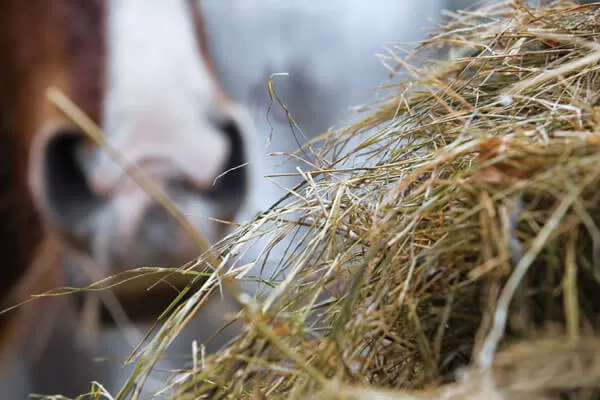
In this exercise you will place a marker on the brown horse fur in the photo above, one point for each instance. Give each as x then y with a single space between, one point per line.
28 65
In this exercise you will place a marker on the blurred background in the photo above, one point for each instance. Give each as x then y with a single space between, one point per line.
328 50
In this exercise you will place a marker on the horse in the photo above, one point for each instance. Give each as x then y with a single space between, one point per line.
141 71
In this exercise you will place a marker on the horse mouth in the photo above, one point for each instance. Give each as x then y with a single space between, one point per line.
144 276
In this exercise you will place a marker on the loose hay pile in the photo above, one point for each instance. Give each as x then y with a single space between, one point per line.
461 260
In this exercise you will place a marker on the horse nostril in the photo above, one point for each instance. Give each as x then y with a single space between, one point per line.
68 197
232 183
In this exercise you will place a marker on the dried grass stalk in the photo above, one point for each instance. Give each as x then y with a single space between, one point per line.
448 244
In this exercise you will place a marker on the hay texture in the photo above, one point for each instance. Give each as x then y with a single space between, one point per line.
447 245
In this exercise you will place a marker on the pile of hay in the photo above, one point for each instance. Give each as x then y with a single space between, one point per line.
445 246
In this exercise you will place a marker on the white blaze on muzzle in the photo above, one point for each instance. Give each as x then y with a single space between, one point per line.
160 106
